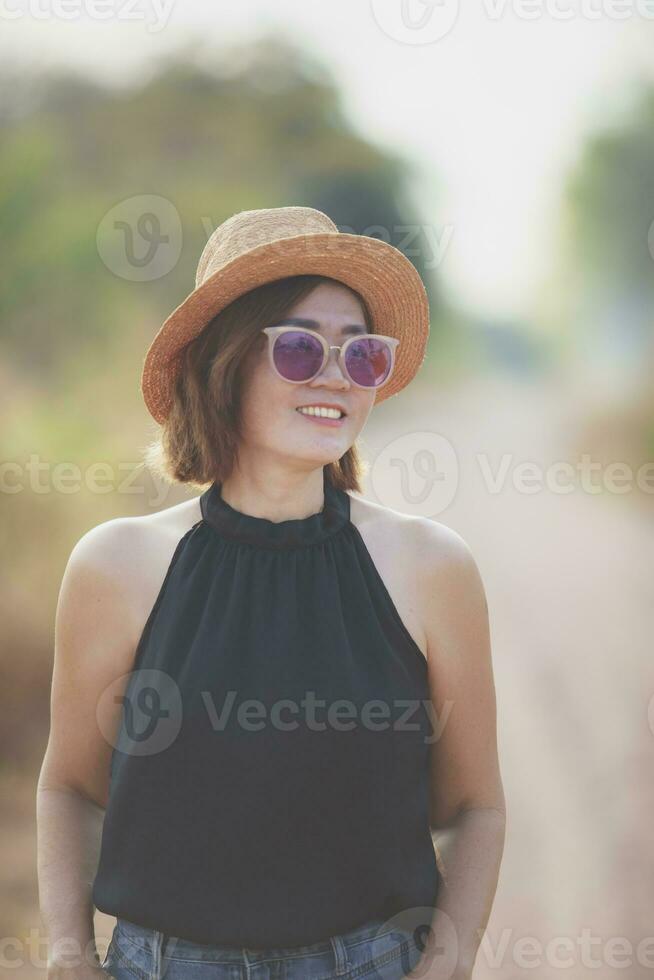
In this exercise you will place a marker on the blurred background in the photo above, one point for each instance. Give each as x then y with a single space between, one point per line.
508 150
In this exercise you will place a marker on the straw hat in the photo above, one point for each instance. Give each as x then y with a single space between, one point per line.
256 247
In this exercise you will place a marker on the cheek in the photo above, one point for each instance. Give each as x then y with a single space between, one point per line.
362 406
265 398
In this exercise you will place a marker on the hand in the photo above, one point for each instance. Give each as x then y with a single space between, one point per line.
83 971
432 967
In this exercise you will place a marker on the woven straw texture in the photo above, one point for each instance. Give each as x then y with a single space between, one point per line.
252 248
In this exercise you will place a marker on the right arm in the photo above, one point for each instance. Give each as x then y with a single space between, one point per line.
95 635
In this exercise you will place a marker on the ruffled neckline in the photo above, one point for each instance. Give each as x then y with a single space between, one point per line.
237 526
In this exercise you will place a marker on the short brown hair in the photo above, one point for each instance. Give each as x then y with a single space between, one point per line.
198 442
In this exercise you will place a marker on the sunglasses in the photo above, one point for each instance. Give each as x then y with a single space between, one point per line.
298 355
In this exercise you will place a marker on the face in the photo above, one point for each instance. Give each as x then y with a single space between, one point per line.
272 423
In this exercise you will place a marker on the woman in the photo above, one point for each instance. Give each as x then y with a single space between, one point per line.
234 683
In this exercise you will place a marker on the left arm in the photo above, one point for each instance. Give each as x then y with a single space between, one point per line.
467 800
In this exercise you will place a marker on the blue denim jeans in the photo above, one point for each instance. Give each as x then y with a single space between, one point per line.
370 951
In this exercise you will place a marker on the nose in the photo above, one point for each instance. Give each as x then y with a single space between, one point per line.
331 375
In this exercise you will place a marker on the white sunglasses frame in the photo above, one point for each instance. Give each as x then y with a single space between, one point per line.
273 332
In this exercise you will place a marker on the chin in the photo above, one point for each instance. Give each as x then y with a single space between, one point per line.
315 455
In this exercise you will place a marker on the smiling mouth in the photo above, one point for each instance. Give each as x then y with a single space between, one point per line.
321 412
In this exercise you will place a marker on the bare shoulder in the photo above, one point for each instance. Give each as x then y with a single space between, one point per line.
122 546
449 573
110 583
428 568
120 564
426 543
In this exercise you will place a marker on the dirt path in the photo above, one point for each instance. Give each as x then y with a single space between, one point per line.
570 586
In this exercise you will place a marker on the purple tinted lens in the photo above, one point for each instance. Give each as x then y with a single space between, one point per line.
297 355
368 361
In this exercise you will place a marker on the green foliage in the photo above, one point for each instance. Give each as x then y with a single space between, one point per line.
610 205
264 127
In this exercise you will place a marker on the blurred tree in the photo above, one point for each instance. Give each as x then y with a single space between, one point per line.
610 206
263 127
603 307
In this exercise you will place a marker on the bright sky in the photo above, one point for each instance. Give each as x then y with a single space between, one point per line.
492 102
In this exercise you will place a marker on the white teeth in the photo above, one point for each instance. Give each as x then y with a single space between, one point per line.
326 413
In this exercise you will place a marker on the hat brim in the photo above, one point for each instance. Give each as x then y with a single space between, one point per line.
385 278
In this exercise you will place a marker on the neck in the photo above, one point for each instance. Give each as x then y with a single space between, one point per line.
275 495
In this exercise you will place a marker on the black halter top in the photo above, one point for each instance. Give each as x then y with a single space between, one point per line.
270 778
